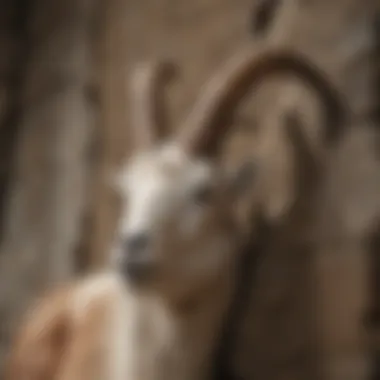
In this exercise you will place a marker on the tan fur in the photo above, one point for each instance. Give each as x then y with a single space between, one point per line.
95 329
38 346
68 335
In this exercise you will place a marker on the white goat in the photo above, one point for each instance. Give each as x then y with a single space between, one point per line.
156 313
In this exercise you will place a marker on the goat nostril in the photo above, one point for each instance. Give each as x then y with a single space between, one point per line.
136 242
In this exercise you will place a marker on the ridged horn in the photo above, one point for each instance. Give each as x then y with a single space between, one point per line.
211 117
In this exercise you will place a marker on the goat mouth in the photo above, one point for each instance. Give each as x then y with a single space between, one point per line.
137 272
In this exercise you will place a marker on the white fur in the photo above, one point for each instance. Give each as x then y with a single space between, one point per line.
157 188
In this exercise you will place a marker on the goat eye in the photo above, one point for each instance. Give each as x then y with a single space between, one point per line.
203 195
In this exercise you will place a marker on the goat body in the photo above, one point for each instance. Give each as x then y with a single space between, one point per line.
98 329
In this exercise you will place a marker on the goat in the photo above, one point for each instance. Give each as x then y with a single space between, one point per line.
156 312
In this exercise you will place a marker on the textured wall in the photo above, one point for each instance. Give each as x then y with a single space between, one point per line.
44 204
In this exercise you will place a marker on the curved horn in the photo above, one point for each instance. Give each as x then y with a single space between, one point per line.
212 115
149 114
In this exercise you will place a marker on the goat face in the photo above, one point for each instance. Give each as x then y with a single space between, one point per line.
175 225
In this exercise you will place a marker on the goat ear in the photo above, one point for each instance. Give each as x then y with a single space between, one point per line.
243 178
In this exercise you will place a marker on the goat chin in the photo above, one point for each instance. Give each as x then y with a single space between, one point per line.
97 329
